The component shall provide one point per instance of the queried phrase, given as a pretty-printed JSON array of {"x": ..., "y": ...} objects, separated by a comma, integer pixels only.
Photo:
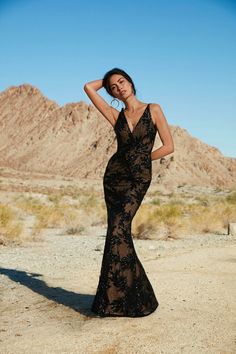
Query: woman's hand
[{"x": 95, "y": 84}]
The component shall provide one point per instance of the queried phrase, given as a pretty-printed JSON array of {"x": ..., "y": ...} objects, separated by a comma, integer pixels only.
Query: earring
[{"x": 115, "y": 99}]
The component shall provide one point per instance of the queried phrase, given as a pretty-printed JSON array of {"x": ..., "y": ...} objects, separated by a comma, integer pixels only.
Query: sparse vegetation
[
  {"x": 165, "y": 216},
  {"x": 48, "y": 216},
  {"x": 10, "y": 228},
  {"x": 58, "y": 210},
  {"x": 176, "y": 217},
  {"x": 75, "y": 230},
  {"x": 156, "y": 201},
  {"x": 231, "y": 198}
]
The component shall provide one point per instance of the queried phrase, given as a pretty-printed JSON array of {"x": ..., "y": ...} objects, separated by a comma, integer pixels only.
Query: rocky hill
[{"x": 38, "y": 135}]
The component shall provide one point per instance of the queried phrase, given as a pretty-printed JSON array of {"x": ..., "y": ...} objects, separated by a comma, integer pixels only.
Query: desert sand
[{"x": 47, "y": 287}]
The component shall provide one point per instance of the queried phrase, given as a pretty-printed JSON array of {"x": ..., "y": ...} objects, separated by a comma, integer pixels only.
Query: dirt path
[{"x": 47, "y": 288}]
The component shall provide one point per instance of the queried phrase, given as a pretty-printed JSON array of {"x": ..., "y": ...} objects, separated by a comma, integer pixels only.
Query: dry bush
[
  {"x": 58, "y": 210},
  {"x": 151, "y": 220},
  {"x": 212, "y": 214},
  {"x": 47, "y": 216},
  {"x": 199, "y": 214},
  {"x": 231, "y": 198},
  {"x": 11, "y": 228}
]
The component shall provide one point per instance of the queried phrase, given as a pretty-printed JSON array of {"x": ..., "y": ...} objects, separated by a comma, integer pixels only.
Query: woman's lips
[{"x": 122, "y": 92}]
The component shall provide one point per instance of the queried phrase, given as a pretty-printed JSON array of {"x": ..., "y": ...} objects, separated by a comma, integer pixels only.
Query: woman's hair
[{"x": 106, "y": 78}]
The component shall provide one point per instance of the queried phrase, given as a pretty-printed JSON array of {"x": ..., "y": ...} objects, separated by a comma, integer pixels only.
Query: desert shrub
[{"x": 10, "y": 227}]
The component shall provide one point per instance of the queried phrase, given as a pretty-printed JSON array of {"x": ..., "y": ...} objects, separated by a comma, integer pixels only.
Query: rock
[{"x": 232, "y": 228}]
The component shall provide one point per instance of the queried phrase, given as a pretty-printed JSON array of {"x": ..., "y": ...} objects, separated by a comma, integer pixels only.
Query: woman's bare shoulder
[
  {"x": 154, "y": 105},
  {"x": 154, "y": 110}
]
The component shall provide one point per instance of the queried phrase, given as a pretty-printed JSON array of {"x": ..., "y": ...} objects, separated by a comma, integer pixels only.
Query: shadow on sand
[{"x": 78, "y": 302}]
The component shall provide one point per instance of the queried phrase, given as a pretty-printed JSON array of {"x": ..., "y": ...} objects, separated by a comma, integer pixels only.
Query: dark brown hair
[{"x": 106, "y": 78}]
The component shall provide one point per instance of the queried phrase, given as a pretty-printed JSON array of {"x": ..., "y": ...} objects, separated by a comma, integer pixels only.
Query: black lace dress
[{"x": 123, "y": 287}]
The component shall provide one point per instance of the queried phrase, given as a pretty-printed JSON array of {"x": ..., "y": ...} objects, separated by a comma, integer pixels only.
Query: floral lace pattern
[{"x": 124, "y": 288}]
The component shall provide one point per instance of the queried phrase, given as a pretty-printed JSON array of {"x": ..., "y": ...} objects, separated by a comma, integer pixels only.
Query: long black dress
[{"x": 124, "y": 288}]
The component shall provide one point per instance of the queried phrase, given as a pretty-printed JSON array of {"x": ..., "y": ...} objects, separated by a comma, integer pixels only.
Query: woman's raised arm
[{"x": 107, "y": 111}]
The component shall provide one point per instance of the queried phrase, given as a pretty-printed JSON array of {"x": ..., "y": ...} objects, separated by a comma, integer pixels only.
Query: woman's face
[{"x": 120, "y": 87}]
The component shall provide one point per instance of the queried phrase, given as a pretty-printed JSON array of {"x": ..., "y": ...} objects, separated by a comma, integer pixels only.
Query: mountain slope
[{"x": 38, "y": 135}]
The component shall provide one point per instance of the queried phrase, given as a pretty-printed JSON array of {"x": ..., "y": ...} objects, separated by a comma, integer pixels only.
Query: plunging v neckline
[{"x": 132, "y": 132}]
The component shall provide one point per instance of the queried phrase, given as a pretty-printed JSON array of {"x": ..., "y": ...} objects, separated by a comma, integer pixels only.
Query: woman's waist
[
  {"x": 134, "y": 156},
  {"x": 129, "y": 152}
]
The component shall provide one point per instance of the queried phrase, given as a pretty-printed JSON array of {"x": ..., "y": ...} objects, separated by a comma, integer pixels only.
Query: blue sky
[{"x": 180, "y": 54}]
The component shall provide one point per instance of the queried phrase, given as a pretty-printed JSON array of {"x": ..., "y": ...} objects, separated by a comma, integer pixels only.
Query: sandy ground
[{"x": 47, "y": 288}]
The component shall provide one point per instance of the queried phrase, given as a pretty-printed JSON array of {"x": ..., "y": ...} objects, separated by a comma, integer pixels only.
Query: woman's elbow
[
  {"x": 171, "y": 148},
  {"x": 86, "y": 87}
]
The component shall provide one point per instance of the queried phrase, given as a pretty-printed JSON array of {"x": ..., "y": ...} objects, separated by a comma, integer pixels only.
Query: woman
[{"x": 124, "y": 288}]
